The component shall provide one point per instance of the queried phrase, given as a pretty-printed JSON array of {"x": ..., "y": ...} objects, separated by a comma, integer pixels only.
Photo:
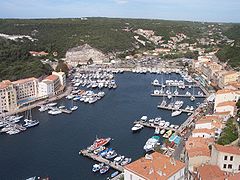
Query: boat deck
[
  {"x": 100, "y": 159},
  {"x": 174, "y": 109}
]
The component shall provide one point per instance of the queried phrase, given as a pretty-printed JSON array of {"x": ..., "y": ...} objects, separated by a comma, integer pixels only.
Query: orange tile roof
[
  {"x": 210, "y": 172},
  {"x": 204, "y": 130},
  {"x": 208, "y": 119},
  {"x": 228, "y": 149},
  {"x": 52, "y": 77},
  {"x": 234, "y": 176},
  {"x": 224, "y": 91},
  {"x": 198, "y": 146},
  {"x": 222, "y": 113},
  {"x": 22, "y": 81},
  {"x": 4, "y": 84},
  {"x": 143, "y": 167},
  {"x": 227, "y": 103}
]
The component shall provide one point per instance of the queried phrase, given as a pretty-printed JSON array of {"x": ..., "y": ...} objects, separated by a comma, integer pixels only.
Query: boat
[
  {"x": 51, "y": 104},
  {"x": 104, "y": 169},
  {"x": 176, "y": 113},
  {"x": 118, "y": 159},
  {"x": 61, "y": 107},
  {"x": 125, "y": 161},
  {"x": 54, "y": 112},
  {"x": 168, "y": 134},
  {"x": 151, "y": 142},
  {"x": 157, "y": 130},
  {"x": 97, "y": 167},
  {"x": 111, "y": 154},
  {"x": 192, "y": 98},
  {"x": 30, "y": 123},
  {"x": 162, "y": 131},
  {"x": 114, "y": 174},
  {"x": 137, "y": 127},
  {"x": 143, "y": 118},
  {"x": 43, "y": 108},
  {"x": 98, "y": 143},
  {"x": 74, "y": 108},
  {"x": 104, "y": 152},
  {"x": 100, "y": 149},
  {"x": 13, "y": 131}
]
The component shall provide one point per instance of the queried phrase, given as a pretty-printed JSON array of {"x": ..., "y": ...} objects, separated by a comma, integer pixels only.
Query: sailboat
[
  {"x": 192, "y": 98},
  {"x": 28, "y": 121},
  {"x": 73, "y": 108}
]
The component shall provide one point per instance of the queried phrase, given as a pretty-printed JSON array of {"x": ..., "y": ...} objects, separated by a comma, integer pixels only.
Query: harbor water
[{"x": 51, "y": 149}]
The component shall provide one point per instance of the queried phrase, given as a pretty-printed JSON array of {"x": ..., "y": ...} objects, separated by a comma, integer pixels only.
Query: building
[
  {"x": 210, "y": 172},
  {"x": 155, "y": 167},
  {"x": 35, "y": 53},
  {"x": 209, "y": 68},
  {"x": 197, "y": 152},
  {"x": 8, "y": 96},
  {"x": 228, "y": 106},
  {"x": 223, "y": 78},
  {"x": 54, "y": 80},
  {"x": 225, "y": 95},
  {"x": 204, "y": 133},
  {"x": 46, "y": 88},
  {"x": 61, "y": 76},
  {"x": 27, "y": 89},
  {"x": 227, "y": 158}
]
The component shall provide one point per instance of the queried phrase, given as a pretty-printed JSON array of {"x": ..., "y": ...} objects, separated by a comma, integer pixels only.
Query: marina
[
  {"x": 118, "y": 108},
  {"x": 179, "y": 95}
]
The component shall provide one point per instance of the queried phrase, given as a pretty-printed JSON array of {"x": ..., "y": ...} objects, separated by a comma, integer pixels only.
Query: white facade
[
  {"x": 207, "y": 125},
  {"x": 226, "y": 161},
  {"x": 62, "y": 77},
  {"x": 226, "y": 95},
  {"x": 227, "y": 108},
  {"x": 128, "y": 175},
  {"x": 46, "y": 88},
  {"x": 202, "y": 134}
]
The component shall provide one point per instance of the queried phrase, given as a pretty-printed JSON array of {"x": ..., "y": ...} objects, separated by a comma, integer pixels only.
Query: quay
[
  {"x": 152, "y": 125},
  {"x": 100, "y": 159},
  {"x": 174, "y": 109},
  {"x": 176, "y": 85},
  {"x": 179, "y": 95}
]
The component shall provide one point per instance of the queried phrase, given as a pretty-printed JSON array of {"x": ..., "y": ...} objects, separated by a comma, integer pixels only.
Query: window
[
  {"x": 231, "y": 158},
  {"x": 224, "y": 166},
  {"x": 225, "y": 157},
  {"x": 229, "y": 166}
]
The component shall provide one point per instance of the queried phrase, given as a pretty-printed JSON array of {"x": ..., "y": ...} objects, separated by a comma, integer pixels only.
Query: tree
[{"x": 62, "y": 67}]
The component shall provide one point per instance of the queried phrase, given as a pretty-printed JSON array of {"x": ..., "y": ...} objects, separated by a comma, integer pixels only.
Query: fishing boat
[
  {"x": 137, "y": 127},
  {"x": 157, "y": 130},
  {"x": 126, "y": 161},
  {"x": 104, "y": 169},
  {"x": 176, "y": 113},
  {"x": 151, "y": 142},
  {"x": 74, "y": 108},
  {"x": 168, "y": 134},
  {"x": 97, "y": 167},
  {"x": 98, "y": 143}
]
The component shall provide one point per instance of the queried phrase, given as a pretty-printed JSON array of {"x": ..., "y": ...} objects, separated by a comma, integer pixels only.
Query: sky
[{"x": 193, "y": 10}]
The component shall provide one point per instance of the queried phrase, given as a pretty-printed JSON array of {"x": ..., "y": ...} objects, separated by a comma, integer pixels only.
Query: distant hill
[{"x": 109, "y": 35}]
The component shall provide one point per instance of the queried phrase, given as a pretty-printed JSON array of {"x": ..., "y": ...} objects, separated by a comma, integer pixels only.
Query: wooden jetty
[
  {"x": 66, "y": 111},
  {"x": 179, "y": 95},
  {"x": 152, "y": 125},
  {"x": 174, "y": 109},
  {"x": 100, "y": 159}
]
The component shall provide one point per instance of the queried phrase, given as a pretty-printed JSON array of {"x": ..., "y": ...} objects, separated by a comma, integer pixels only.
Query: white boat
[
  {"x": 151, "y": 142},
  {"x": 137, "y": 127},
  {"x": 54, "y": 112},
  {"x": 51, "y": 104},
  {"x": 74, "y": 108},
  {"x": 43, "y": 108},
  {"x": 157, "y": 130},
  {"x": 155, "y": 82},
  {"x": 162, "y": 131},
  {"x": 143, "y": 118},
  {"x": 192, "y": 98},
  {"x": 176, "y": 113}
]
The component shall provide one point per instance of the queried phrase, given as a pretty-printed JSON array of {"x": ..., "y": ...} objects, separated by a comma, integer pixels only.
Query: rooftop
[
  {"x": 4, "y": 84},
  {"x": 227, "y": 149},
  {"x": 22, "y": 81},
  {"x": 227, "y": 103},
  {"x": 224, "y": 91},
  {"x": 210, "y": 172},
  {"x": 203, "y": 130},
  {"x": 157, "y": 167},
  {"x": 52, "y": 78}
]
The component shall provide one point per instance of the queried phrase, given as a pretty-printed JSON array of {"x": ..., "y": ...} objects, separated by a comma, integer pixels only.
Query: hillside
[{"x": 110, "y": 35}]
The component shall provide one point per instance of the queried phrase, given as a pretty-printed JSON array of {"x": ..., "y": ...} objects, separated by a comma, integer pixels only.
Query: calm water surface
[{"x": 51, "y": 149}]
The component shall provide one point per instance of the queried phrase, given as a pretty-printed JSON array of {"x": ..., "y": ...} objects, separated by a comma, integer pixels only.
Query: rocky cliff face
[{"x": 82, "y": 55}]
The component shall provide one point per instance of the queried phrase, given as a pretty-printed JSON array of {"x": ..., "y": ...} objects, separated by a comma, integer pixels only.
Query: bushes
[{"x": 229, "y": 134}]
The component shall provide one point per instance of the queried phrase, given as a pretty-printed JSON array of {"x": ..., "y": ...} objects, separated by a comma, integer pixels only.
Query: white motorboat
[
  {"x": 137, "y": 127},
  {"x": 155, "y": 82},
  {"x": 157, "y": 130},
  {"x": 43, "y": 108},
  {"x": 74, "y": 108},
  {"x": 151, "y": 142},
  {"x": 192, "y": 98},
  {"x": 162, "y": 131},
  {"x": 143, "y": 118},
  {"x": 176, "y": 113},
  {"x": 54, "y": 112}
]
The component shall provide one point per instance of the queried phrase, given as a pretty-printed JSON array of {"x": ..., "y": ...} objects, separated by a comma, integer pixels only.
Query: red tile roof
[
  {"x": 227, "y": 149},
  {"x": 150, "y": 169},
  {"x": 52, "y": 78},
  {"x": 4, "y": 84},
  {"x": 210, "y": 172},
  {"x": 22, "y": 81},
  {"x": 227, "y": 103}
]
